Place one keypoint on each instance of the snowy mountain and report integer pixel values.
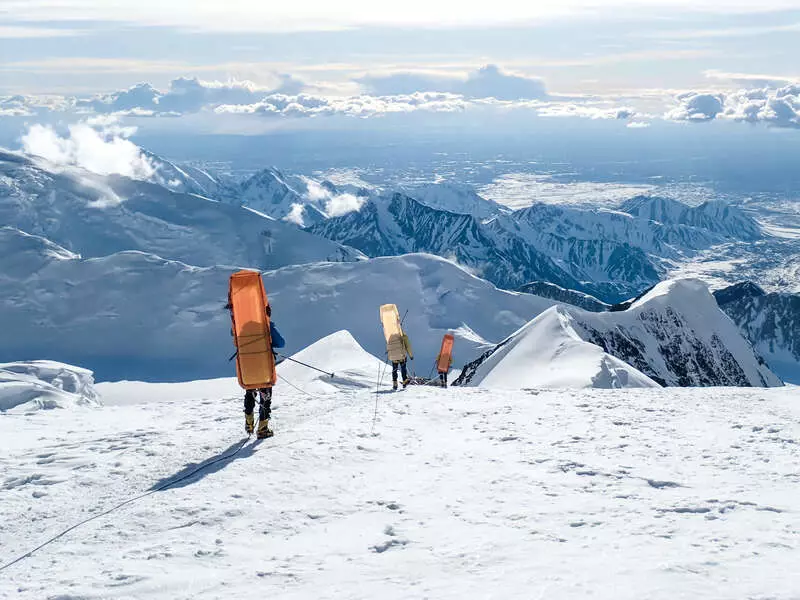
(139, 316)
(398, 224)
(43, 384)
(675, 334)
(713, 216)
(297, 199)
(549, 353)
(182, 178)
(97, 215)
(451, 197)
(771, 321)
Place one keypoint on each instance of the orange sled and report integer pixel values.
(443, 365)
(255, 363)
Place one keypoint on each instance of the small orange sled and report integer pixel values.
(255, 363)
(446, 353)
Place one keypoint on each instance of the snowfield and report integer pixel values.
(464, 492)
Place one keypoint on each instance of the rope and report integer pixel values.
(295, 387)
(160, 488)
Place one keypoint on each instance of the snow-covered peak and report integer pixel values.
(339, 354)
(298, 199)
(714, 216)
(549, 353)
(452, 197)
(675, 334)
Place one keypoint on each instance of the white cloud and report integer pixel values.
(343, 204)
(567, 109)
(99, 146)
(779, 107)
(188, 95)
(751, 79)
(307, 105)
(697, 107)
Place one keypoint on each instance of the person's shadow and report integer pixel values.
(194, 472)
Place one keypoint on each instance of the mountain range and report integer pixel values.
(137, 272)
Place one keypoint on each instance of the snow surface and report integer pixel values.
(548, 353)
(623, 494)
(33, 385)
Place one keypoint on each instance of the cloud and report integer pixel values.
(489, 81)
(778, 107)
(343, 204)
(100, 146)
(307, 105)
(751, 79)
(697, 107)
(187, 95)
(567, 109)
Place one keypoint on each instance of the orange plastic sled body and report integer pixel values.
(446, 353)
(255, 363)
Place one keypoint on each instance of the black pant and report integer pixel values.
(402, 365)
(443, 378)
(264, 405)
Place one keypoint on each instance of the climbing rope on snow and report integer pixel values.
(160, 488)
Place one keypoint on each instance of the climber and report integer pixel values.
(444, 368)
(398, 347)
(265, 394)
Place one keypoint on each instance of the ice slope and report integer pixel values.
(96, 216)
(675, 334)
(460, 493)
(548, 353)
(138, 316)
(26, 386)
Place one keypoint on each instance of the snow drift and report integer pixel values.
(675, 335)
(45, 384)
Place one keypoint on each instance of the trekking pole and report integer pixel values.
(331, 375)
